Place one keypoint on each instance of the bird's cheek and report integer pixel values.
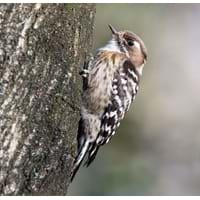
(137, 45)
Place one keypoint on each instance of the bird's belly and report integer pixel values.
(98, 97)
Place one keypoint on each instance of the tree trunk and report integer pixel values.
(42, 48)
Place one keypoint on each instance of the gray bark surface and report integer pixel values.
(42, 47)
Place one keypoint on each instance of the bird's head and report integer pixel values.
(130, 44)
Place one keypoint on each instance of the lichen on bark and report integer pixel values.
(42, 47)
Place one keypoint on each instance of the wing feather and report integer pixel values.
(124, 84)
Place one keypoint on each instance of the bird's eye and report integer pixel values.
(130, 43)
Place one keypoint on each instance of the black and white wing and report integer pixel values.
(124, 89)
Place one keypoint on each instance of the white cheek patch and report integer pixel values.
(139, 69)
(137, 45)
(111, 46)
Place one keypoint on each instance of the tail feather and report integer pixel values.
(79, 158)
(84, 146)
(81, 134)
(92, 154)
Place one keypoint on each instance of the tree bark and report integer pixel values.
(42, 47)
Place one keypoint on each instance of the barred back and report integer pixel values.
(124, 89)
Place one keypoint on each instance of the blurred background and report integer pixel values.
(156, 150)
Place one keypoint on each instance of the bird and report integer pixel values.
(110, 84)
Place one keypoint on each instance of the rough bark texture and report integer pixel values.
(41, 50)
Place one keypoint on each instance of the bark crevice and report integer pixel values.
(42, 47)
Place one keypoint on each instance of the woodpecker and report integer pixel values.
(110, 84)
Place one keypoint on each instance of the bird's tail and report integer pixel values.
(78, 160)
(92, 152)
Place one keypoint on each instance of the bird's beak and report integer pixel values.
(113, 30)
